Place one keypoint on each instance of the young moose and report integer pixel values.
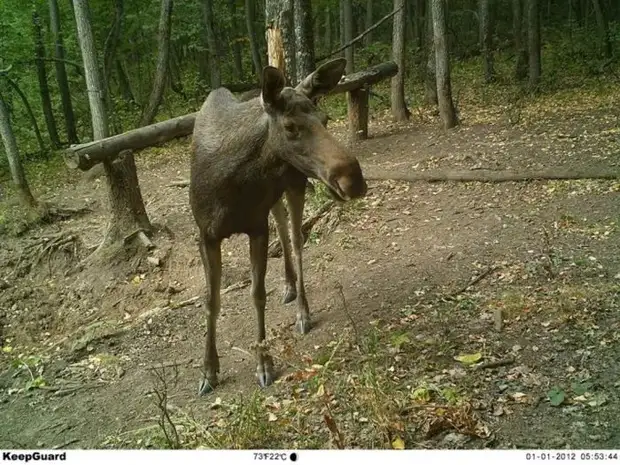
(245, 156)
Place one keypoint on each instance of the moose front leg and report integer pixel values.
(279, 214)
(296, 199)
(259, 246)
(211, 254)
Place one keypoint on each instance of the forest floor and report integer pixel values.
(404, 353)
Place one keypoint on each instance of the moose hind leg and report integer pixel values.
(211, 254)
(258, 257)
(290, 277)
(296, 200)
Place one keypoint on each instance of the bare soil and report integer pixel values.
(548, 305)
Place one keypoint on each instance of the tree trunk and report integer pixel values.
(214, 54)
(250, 18)
(279, 21)
(161, 73)
(533, 42)
(12, 153)
(517, 31)
(347, 10)
(399, 107)
(128, 214)
(44, 90)
(430, 80)
(341, 25)
(123, 82)
(486, 40)
(603, 29)
(33, 119)
(369, 23)
(236, 46)
(442, 63)
(328, 29)
(304, 38)
(61, 73)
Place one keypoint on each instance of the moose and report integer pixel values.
(246, 155)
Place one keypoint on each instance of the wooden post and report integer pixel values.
(357, 100)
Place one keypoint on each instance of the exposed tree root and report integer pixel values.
(34, 253)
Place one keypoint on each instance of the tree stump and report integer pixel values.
(357, 101)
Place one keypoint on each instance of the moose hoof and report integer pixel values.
(206, 387)
(290, 294)
(265, 373)
(303, 325)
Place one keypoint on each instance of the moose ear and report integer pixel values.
(323, 79)
(273, 83)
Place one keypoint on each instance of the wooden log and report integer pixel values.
(358, 113)
(85, 156)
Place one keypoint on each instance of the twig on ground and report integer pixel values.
(345, 307)
(472, 282)
(65, 444)
(496, 363)
(164, 365)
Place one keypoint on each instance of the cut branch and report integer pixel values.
(361, 36)
(491, 176)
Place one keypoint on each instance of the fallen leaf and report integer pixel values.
(398, 443)
(519, 397)
(469, 359)
(556, 397)
(272, 417)
(320, 392)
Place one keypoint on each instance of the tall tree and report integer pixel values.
(603, 28)
(12, 153)
(129, 216)
(486, 40)
(304, 38)
(214, 54)
(533, 42)
(44, 90)
(161, 73)
(236, 46)
(399, 107)
(430, 81)
(517, 32)
(250, 18)
(369, 23)
(24, 99)
(328, 28)
(442, 65)
(347, 20)
(61, 72)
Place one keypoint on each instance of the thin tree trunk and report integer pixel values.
(486, 40)
(12, 153)
(61, 73)
(399, 107)
(603, 28)
(369, 23)
(430, 80)
(250, 18)
(123, 82)
(33, 119)
(341, 25)
(161, 73)
(236, 46)
(328, 29)
(214, 55)
(128, 214)
(533, 42)
(44, 90)
(442, 63)
(517, 32)
(304, 38)
(348, 34)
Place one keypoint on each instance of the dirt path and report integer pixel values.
(397, 255)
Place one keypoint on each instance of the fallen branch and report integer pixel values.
(490, 176)
(360, 36)
(472, 282)
(496, 363)
(275, 248)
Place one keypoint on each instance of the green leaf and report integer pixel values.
(399, 340)
(469, 359)
(580, 388)
(556, 397)
(421, 395)
(7, 349)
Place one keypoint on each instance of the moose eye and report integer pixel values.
(291, 129)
